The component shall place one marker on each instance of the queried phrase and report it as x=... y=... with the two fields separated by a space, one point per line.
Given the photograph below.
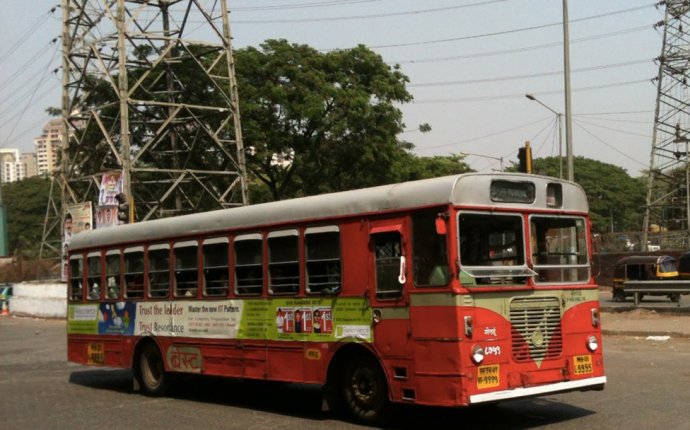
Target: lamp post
x=559 y=118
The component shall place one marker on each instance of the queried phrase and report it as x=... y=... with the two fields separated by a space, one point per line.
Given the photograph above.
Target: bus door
x=390 y=271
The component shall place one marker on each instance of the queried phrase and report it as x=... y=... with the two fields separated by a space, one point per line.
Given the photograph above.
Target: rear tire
x=365 y=390
x=151 y=371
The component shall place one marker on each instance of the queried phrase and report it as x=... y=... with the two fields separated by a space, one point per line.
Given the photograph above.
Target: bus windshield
x=492 y=248
x=559 y=249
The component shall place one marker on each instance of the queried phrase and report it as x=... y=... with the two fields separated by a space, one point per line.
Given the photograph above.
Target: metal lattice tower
x=149 y=89
x=668 y=184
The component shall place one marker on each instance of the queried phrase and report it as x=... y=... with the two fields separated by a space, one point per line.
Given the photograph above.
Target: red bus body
x=382 y=276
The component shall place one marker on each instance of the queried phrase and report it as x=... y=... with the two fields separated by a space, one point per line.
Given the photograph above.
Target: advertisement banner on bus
x=277 y=319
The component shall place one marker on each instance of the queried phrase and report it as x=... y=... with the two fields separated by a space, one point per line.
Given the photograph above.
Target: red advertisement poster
x=322 y=320
x=303 y=320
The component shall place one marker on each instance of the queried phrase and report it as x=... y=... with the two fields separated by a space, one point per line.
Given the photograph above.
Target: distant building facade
x=15 y=166
x=29 y=162
x=48 y=146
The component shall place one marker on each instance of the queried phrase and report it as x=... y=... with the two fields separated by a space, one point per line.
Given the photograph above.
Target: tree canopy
x=331 y=117
x=25 y=202
x=615 y=198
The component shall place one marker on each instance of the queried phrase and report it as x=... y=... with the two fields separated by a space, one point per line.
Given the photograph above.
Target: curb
x=633 y=333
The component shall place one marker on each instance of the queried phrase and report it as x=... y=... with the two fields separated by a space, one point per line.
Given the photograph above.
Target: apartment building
x=48 y=147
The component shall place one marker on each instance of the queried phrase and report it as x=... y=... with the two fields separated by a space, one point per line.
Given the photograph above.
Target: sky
x=470 y=64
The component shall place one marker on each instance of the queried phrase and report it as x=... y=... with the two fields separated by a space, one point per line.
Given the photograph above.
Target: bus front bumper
x=578 y=385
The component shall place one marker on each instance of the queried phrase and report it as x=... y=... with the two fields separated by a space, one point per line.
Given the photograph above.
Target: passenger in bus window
x=113 y=288
x=95 y=291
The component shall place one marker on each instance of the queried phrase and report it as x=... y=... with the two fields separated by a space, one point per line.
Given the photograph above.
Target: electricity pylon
x=668 y=184
x=149 y=89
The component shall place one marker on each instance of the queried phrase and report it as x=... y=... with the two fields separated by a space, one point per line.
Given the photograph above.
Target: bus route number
x=95 y=354
x=582 y=364
x=488 y=376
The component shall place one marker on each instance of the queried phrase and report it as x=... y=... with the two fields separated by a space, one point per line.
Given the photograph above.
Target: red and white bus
x=451 y=291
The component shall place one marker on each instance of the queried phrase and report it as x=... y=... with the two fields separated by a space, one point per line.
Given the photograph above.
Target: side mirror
x=441 y=228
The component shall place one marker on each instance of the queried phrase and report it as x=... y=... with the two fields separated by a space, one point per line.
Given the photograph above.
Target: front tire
x=365 y=390
x=151 y=371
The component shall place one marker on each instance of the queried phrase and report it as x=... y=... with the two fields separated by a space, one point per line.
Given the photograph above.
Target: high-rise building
x=28 y=160
x=10 y=165
x=48 y=147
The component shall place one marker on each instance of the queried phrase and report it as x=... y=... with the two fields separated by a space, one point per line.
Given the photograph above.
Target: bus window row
x=192 y=268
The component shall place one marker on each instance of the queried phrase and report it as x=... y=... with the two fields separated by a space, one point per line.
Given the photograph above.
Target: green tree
x=615 y=198
x=333 y=118
x=416 y=167
x=25 y=202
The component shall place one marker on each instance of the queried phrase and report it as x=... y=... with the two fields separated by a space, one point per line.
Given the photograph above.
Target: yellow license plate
x=488 y=376
x=582 y=364
x=95 y=354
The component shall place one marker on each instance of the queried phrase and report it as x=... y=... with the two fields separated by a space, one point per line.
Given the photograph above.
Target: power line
x=617 y=130
x=528 y=76
x=523 y=49
x=496 y=133
x=355 y=17
x=515 y=96
x=577 y=123
x=301 y=6
x=512 y=31
x=26 y=35
x=22 y=69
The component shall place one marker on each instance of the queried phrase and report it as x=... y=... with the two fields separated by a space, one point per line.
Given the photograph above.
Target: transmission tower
x=668 y=184
x=149 y=90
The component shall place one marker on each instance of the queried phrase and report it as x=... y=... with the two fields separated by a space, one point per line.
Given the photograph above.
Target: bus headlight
x=477 y=354
x=592 y=343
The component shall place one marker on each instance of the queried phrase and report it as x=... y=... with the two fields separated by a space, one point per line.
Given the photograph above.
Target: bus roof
x=467 y=190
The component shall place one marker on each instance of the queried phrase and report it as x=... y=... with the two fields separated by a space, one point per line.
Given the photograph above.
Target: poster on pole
x=111 y=186
x=78 y=217
x=106 y=216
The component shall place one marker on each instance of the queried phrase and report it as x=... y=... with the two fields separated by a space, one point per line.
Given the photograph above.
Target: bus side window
x=75 y=281
x=93 y=279
x=283 y=262
x=216 y=281
x=387 y=256
x=159 y=270
x=112 y=274
x=186 y=269
x=429 y=250
x=134 y=272
x=249 y=278
x=323 y=260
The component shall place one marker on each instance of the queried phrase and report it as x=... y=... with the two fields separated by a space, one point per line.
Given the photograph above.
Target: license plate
x=95 y=354
x=488 y=376
x=582 y=364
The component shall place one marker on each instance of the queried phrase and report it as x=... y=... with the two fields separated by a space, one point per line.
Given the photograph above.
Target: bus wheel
x=618 y=295
x=150 y=372
x=365 y=390
x=675 y=298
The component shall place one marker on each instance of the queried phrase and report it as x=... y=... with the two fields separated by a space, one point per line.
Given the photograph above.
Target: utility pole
x=568 y=104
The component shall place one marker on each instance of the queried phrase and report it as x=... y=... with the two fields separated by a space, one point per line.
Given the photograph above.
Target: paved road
x=39 y=390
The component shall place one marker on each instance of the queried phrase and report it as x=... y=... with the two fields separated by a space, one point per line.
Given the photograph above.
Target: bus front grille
x=536 y=328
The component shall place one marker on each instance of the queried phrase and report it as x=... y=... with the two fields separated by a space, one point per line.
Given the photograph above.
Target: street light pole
x=568 y=106
x=559 y=118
